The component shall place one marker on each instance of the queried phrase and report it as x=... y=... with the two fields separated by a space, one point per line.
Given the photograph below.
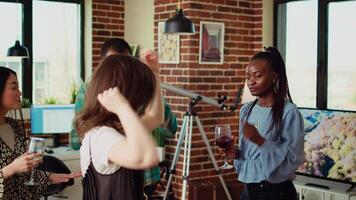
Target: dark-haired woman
x=123 y=104
x=15 y=163
x=271 y=132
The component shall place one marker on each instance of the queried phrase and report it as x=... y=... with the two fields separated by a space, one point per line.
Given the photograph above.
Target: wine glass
x=36 y=146
x=223 y=139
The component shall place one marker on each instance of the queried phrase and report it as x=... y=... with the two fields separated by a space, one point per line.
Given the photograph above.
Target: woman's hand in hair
x=23 y=163
x=112 y=99
x=150 y=58
x=251 y=133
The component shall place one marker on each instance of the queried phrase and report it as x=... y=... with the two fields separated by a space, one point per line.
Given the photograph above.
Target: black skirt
x=124 y=184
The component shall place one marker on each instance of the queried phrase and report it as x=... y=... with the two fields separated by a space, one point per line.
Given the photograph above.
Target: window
x=56 y=49
x=341 y=55
x=317 y=49
x=40 y=72
x=300 y=49
x=11 y=15
x=53 y=34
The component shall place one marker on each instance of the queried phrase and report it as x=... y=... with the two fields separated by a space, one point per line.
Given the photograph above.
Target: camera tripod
x=186 y=135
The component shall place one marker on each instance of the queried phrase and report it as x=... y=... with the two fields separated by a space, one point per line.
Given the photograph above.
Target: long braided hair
x=280 y=86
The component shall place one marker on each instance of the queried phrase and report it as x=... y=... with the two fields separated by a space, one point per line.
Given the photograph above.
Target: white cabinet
x=307 y=192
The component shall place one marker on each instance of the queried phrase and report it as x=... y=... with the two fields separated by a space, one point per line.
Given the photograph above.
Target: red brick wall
x=108 y=21
x=243 y=37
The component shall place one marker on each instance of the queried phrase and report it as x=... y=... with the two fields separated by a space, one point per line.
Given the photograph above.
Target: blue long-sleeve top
x=278 y=157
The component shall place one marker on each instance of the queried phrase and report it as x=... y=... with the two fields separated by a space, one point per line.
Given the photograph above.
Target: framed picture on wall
x=211 y=47
x=168 y=46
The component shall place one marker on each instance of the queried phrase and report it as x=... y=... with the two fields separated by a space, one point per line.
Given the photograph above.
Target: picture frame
x=211 y=43
x=168 y=46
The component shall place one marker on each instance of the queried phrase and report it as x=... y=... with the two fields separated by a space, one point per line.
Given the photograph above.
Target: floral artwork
x=168 y=46
x=330 y=144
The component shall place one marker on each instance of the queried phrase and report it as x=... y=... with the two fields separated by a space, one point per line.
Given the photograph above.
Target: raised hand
x=150 y=58
x=251 y=133
x=112 y=99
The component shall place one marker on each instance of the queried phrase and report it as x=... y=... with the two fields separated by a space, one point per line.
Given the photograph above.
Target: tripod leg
x=176 y=155
x=211 y=155
x=186 y=158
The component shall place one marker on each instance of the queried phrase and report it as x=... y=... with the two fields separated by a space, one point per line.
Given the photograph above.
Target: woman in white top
x=123 y=104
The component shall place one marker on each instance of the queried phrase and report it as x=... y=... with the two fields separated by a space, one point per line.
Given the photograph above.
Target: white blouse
x=100 y=140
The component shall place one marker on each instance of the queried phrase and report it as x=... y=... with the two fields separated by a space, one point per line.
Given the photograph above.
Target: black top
x=124 y=184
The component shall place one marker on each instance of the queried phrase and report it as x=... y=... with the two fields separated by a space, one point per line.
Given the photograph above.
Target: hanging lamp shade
x=179 y=24
x=17 y=50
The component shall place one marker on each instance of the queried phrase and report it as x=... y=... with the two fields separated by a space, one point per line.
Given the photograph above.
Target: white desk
x=70 y=158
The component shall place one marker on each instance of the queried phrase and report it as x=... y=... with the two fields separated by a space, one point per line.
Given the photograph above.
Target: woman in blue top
x=271 y=132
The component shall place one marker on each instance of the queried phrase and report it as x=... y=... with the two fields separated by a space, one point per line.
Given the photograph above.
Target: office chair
x=53 y=164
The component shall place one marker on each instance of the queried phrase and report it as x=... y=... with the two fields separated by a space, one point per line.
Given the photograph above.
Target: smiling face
x=11 y=95
x=260 y=77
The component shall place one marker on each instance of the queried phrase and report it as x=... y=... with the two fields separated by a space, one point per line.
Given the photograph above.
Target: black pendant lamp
x=179 y=24
x=17 y=50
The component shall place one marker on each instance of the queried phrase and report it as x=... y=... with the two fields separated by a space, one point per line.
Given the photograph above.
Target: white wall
x=267 y=23
x=88 y=39
x=139 y=23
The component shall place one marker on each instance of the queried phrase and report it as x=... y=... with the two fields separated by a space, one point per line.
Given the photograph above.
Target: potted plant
x=73 y=92
x=50 y=101
x=25 y=107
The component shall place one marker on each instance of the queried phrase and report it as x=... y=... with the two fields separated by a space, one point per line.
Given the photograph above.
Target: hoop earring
x=275 y=86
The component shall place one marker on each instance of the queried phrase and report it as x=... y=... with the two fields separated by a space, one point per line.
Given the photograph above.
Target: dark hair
x=4 y=76
x=280 y=86
x=133 y=78
x=117 y=44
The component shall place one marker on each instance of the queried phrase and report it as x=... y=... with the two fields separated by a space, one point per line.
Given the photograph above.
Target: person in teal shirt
x=120 y=46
